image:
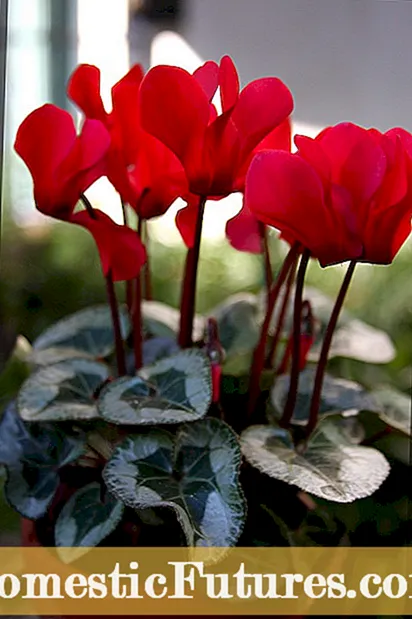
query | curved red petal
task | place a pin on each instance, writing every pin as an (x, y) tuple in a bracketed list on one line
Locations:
[(358, 161), (157, 178), (207, 77), (263, 105), (386, 232), (280, 138), (228, 83), (87, 160), (244, 232), (175, 109), (84, 89), (186, 219), (44, 139), (125, 117), (121, 251), (311, 151), (283, 191)]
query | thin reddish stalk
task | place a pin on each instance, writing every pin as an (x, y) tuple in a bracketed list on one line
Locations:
[(187, 306), (129, 283), (137, 314), (266, 258), (260, 350), (270, 360), (112, 301), (323, 357), (147, 279), (297, 321), (114, 309)]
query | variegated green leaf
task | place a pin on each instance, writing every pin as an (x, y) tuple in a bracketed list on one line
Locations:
[(238, 320), (338, 395), (33, 455), (161, 320), (331, 467), (89, 331), (395, 408), (50, 356), (63, 391), (352, 339), (195, 473), (172, 390), (85, 520)]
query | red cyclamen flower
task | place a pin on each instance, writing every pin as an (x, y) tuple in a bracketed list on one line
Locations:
[(147, 175), (345, 195), (215, 150), (63, 165)]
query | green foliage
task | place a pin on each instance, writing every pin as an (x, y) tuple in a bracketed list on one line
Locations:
[(194, 473), (330, 466), (173, 390), (33, 455), (85, 520)]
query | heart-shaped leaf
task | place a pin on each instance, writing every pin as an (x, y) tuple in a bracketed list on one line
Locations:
[(358, 340), (335, 471), (86, 520), (89, 331), (395, 408), (161, 320), (33, 455), (338, 395), (63, 391), (238, 320), (353, 338), (173, 390), (50, 356), (195, 473)]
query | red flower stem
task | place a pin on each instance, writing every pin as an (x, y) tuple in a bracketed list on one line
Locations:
[(114, 308), (260, 350), (270, 360), (137, 314), (187, 305), (147, 272), (266, 258), (323, 358), (297, 322)]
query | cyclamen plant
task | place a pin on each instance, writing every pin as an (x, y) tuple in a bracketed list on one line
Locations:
[(135, 426)]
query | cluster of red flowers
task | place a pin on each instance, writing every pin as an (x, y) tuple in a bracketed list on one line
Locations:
[(346, 195)]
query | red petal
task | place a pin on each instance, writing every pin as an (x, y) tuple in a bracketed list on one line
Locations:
[(186, 219), (358, 161), (175, 109), (229, 83), (263, 105), (86, 161), (283, 191), (244, 232), (280, 138), (121, 251), (84, 89), (157, 178), (207, 77), (43, 141), (312, 152), (395, 184), (125, 118), (386, 232)]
